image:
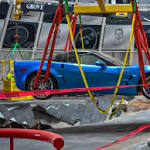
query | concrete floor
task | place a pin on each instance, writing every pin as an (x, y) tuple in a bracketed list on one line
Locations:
[(85, 141), (91, 136)]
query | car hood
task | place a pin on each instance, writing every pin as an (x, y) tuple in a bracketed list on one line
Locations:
[(136, 68), (147, 68)]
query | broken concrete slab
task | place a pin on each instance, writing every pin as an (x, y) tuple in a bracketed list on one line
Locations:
[(53, 114), (126, 122), (70, 112), (20, 114), (91, 114), (57, 112)]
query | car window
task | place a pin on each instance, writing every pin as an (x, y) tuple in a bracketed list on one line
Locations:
[(60, 57), (72, 58), (89, 59), (109, 60), (85, 58)]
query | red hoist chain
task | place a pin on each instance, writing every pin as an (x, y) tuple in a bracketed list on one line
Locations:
[(139, 50), (141, 43), (73, 26), (55, 25)]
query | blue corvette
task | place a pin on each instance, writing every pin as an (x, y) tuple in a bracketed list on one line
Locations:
[(100, 70)]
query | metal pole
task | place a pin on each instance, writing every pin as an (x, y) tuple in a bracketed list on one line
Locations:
[(37, 35), (102, 33), (11, 143)]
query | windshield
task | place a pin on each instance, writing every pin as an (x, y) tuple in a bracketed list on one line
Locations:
[(64, 57), (115, 61)]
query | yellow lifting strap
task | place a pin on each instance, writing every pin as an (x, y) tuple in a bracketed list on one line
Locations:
[(101, 4), (81, 33), (77, 57), (78, 61), (124, 63), (131, 47), (83, 75)]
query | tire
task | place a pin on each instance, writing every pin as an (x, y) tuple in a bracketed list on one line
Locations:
[(146, 91), (49, 84)]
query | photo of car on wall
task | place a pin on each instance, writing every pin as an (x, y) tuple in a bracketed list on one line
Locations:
[(100, 70)]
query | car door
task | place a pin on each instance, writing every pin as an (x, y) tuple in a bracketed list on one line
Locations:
[(96, 76), (129, 78)]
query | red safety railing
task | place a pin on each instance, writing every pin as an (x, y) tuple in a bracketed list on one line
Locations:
[(53, 138)]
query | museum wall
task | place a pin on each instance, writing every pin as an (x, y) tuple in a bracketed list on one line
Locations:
[(108, 33)]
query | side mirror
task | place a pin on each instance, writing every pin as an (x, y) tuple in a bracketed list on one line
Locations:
[(99, 63)]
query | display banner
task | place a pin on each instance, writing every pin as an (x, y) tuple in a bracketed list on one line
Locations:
[(91, 36), (26, 34), (116, 37), (61, 36)]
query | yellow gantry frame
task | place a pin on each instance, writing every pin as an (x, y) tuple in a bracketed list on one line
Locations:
[(88, 9), (101, 4)]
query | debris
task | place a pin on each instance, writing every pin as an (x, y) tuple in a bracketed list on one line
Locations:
[(148, 143), (121, 110), (138, 105)]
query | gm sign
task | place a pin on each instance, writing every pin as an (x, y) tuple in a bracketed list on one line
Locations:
[(32, 7)]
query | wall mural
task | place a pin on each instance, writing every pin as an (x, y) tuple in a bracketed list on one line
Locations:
[(91, 30), (61, 36), (116, 37), (91, 36), (26, 34)]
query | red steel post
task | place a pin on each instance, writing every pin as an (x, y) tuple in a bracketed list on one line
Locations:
[(53, 138), (11, 143)]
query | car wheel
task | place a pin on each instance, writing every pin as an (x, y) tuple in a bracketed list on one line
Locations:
[(146, 91), (49, 84)]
